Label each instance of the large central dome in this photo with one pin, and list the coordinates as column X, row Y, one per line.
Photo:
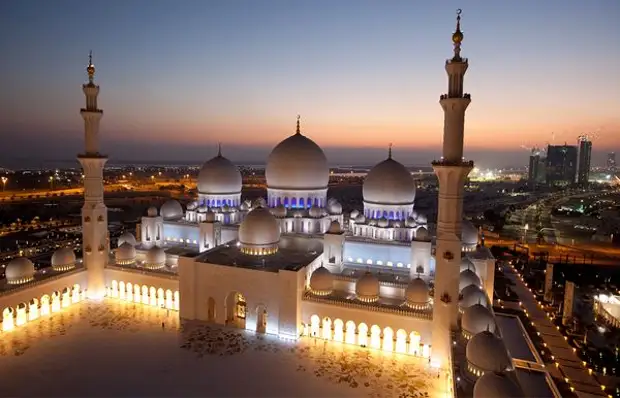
column 219, row 176
column 390, row 183
column 297, row 163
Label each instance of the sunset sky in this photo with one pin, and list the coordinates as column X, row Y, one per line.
column 177, row 77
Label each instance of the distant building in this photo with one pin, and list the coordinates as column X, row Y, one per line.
column 585, row 156
column 611, row 161
column 561, row 164
column 536, row 169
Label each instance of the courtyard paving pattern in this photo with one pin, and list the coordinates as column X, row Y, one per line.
column 115, row 348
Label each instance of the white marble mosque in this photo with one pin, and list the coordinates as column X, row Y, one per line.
column 292, row 264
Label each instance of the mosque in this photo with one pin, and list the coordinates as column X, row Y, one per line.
column 292, row 264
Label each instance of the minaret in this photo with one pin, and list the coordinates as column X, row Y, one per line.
column 451, row 171
column 95, row 246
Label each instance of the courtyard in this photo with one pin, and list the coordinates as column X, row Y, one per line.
column 118, row 348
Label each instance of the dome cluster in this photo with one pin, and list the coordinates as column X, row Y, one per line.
column 125, row 253
column 321, row 282
column 155, row 258
column 367, row 288
column 259, row 233
column 390, row 183
column 171, row 210
column 417, row 294
column 297, row 163
column 19, row 270
column 219, row 176
column 63, row 259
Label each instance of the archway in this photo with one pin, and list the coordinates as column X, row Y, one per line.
column 145, row 294
column 315, row 325
column 7, row 319
column 114, row 288
column 401, row 341
column 261, row 319
column 169, row 301
column 129, row 288
column 22, row 314
column 327, row 328
column 121, row 290
column 33, row 309
column 375, row 337
column 152, row 296
column 388, row 339
column 414, row 343
column 236, row 310
column 350, row 332
column 338, row 330
column 177, row 301
column 65, row 300
column 136, row 294
column 362, row 334
column 45, row 305
column 161, row 300
column 211, row 309
column 55, row 301
column 75, row 295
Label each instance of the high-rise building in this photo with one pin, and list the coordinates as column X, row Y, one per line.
column 611, row 161
column 561, row 164
column 585, row 156
column 536, row 169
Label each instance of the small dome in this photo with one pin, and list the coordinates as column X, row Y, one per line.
column 218, row 176
column 279, row 211
column 155, row 258
column 493, row 384
column 367, row 287
column 127, row 237
column 334, row 228
column 354, row 214
column 476, row 319
column 209, row 216
column 152, row 212
column 487, row 352
column 421, row 219
column 422, row 234
column 259, row 202
column 63, row 259
column 125, row 254
column 360, row 219
column 411, row 222
column 203, row 209
column 468, row 277
column 469, row 234
column 225, row 208
column 315, row 212
column 395, row 223
column 372, row 222
column 333, row 206
column 299, row 213
column 259, row 232
column 467, row 264
column 383, row 222
column 472, row 295
column 417, row 293
column 389, row 182
column 321, row 281
column 19, row 270
column 171, row 210
column 193, row 205
column 297, row 163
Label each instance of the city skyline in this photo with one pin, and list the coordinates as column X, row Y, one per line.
column 173, row 84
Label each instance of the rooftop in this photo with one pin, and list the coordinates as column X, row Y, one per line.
column 286, row 258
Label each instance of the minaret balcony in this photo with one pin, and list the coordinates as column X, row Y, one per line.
column 457, row 61
column 86, row 110
column 449, row 163
column 446, row 96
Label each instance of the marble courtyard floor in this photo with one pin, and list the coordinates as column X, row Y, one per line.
column 114, row 348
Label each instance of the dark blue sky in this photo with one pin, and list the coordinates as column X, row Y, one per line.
column 176, row 77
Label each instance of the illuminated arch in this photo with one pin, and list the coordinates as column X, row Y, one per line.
column 401, row 341
column 315, row 325
column 338, row 330
column 375, row 337
column 362, row 334
column 388, row 339
column 349, row 336
column 7, row 319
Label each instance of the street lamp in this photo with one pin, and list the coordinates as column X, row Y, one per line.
column 51, row 183
column 527, row 226
column 4, row 180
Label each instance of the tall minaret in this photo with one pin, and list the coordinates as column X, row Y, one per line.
column 94, row 212
column 451, row 170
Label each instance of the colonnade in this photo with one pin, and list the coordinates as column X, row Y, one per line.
column 39, row 307
column 360, row 334
column 144, row 294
